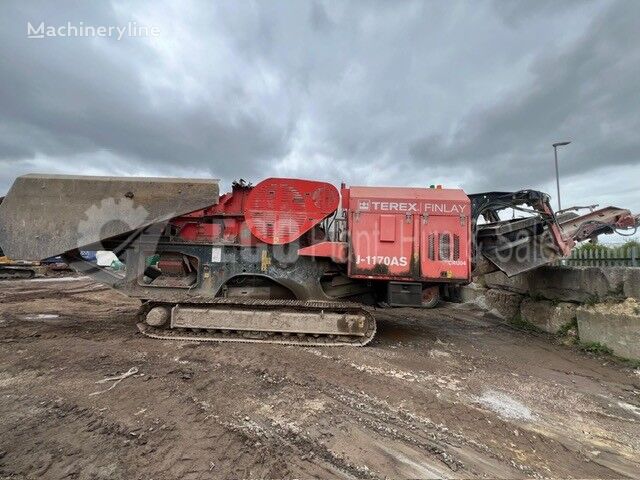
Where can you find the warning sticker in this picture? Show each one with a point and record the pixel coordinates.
(216, 254)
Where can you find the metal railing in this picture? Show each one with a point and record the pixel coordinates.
(605, 257)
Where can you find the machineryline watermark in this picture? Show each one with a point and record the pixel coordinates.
(80, 30)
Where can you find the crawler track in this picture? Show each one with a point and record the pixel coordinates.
(265, 333)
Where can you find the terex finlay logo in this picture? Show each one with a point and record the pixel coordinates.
(364, 204)
(412, 207)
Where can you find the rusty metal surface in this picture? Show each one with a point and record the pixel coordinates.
(516, 246)
(598, 222)
(47, 215)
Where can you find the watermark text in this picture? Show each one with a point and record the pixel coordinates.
(80, 30)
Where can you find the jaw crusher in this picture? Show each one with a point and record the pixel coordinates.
(286, 261)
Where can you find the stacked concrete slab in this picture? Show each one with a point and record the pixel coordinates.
(604, 302)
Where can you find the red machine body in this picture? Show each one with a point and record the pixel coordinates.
(412, 234)
(280, 210)
(402, 234)
(276, 211)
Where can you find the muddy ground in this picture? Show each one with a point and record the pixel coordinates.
(450, 392)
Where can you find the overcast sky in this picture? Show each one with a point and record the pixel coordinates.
(469, 94)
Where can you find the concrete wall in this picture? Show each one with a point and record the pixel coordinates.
(571, 284)
(547, 315)
(602, 301)
(616, 326)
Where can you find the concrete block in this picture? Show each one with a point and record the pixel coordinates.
(473, 293)
(569, 284)
(547, 315)
(503, 303)
(517, 284)
(576, 284)
(632, 283)
(615, 325)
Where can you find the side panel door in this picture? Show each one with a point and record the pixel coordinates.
(381, 244)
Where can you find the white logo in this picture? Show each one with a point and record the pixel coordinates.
(364, 205)
(444, 208)
(395, 206)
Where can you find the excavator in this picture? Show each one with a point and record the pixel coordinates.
(285, 261)
(16, 270)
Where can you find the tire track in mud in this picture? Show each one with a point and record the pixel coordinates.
(535, 440)
(61, 454)
(402, 407)
(280, 428)
(288, 436)
(557, 404)
(92, 442)
(305, 453)
(349, 410)
(409, 428)
(13, 293)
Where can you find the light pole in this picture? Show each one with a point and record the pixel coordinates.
(555, 153)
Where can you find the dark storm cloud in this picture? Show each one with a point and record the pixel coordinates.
(588, 93)
(406, 93)
(516, 12)
(66, 96)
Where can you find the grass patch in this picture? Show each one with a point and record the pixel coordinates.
(630, 362)
(596, 347)
(564, 330)
(522, 324)
(600, 350)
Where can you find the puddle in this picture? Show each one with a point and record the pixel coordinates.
(505, 406)
(39, 316)
(629, 407)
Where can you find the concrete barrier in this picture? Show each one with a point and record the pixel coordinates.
(552, 297)
(517, 284)
(571, 284)
(503, 303)
(632, 283)
(473, 293)
(616, 326)
(546, 315)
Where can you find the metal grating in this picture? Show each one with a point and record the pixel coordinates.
(456, 247)
(444, 242)
(431, 248)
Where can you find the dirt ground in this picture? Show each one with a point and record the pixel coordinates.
(449, 393)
